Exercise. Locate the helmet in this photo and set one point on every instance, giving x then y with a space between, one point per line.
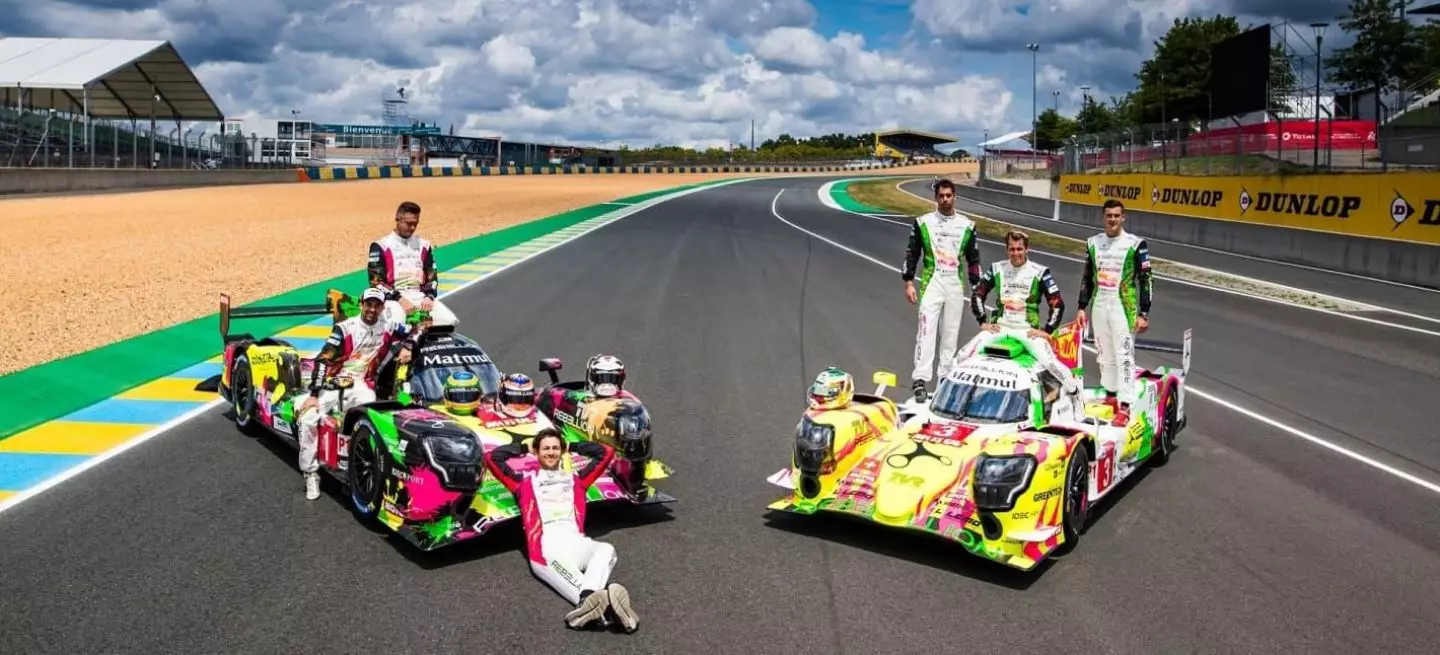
832 389
517 395
605 375
462 392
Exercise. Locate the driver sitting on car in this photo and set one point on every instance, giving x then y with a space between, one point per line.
352 350
1022 285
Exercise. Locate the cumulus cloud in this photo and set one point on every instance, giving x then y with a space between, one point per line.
604 72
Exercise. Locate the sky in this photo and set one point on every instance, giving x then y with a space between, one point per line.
639 72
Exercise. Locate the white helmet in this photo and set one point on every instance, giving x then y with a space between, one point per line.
605 375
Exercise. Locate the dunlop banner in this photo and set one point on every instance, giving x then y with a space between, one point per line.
1398 206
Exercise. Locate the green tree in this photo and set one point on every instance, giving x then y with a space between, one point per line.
1095 118
1051 131
1386 52
1175 81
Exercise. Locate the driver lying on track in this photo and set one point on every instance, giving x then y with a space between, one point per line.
552 505
352 350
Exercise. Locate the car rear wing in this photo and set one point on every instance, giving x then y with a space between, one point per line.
1182 348
332 305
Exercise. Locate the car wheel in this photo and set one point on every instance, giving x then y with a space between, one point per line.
365 469
242 395
1164 444
1077 500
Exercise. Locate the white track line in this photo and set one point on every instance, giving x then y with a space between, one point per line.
1408 477
1347 315
172 423
1378 308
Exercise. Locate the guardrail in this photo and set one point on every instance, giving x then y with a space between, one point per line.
1406 262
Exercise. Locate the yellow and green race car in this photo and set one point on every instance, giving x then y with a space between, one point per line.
1000 460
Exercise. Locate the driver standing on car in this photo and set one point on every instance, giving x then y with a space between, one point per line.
937 242
403 266
1023 285
353 348
552 507
1117 274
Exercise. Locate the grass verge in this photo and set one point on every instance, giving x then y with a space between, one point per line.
884 194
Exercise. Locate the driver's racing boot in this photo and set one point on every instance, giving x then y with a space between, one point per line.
312 485
620 607
592 607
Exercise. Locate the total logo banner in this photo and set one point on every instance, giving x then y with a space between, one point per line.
1399 206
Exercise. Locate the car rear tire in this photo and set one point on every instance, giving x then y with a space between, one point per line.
1164 444
242 396
365 470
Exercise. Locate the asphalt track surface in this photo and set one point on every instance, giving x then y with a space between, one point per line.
1251 540
1405 298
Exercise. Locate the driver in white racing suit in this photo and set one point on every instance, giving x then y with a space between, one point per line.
403 266
552 507
1117 273
1023 285
353 349
937 242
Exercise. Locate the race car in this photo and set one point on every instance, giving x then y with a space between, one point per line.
620 421
405 460
999 460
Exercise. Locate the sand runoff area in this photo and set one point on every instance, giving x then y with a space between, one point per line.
82 271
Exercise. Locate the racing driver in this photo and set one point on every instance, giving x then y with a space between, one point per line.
403 266
353 348
1117 274
937 242
552 506
1022 285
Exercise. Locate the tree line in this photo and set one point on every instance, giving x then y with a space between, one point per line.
785 147
1389 52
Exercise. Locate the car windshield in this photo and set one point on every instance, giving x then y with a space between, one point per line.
440 359
964 401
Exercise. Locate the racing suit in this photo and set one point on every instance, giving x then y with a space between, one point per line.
405 268
1117 275
937 242
1022 289
552 507
357 347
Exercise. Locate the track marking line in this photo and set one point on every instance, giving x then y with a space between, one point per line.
11 498
1378 308
1408 477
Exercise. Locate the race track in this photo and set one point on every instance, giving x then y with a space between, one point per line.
1252 540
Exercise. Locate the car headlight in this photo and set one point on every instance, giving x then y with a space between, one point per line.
1000 480
814 445
457 460
634 433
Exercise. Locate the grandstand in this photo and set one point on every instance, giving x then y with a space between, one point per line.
910 145
108 103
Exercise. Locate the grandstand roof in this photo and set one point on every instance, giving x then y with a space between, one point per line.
1428 10
924 136
118 72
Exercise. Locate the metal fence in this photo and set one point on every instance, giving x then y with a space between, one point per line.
1274 147
57 140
